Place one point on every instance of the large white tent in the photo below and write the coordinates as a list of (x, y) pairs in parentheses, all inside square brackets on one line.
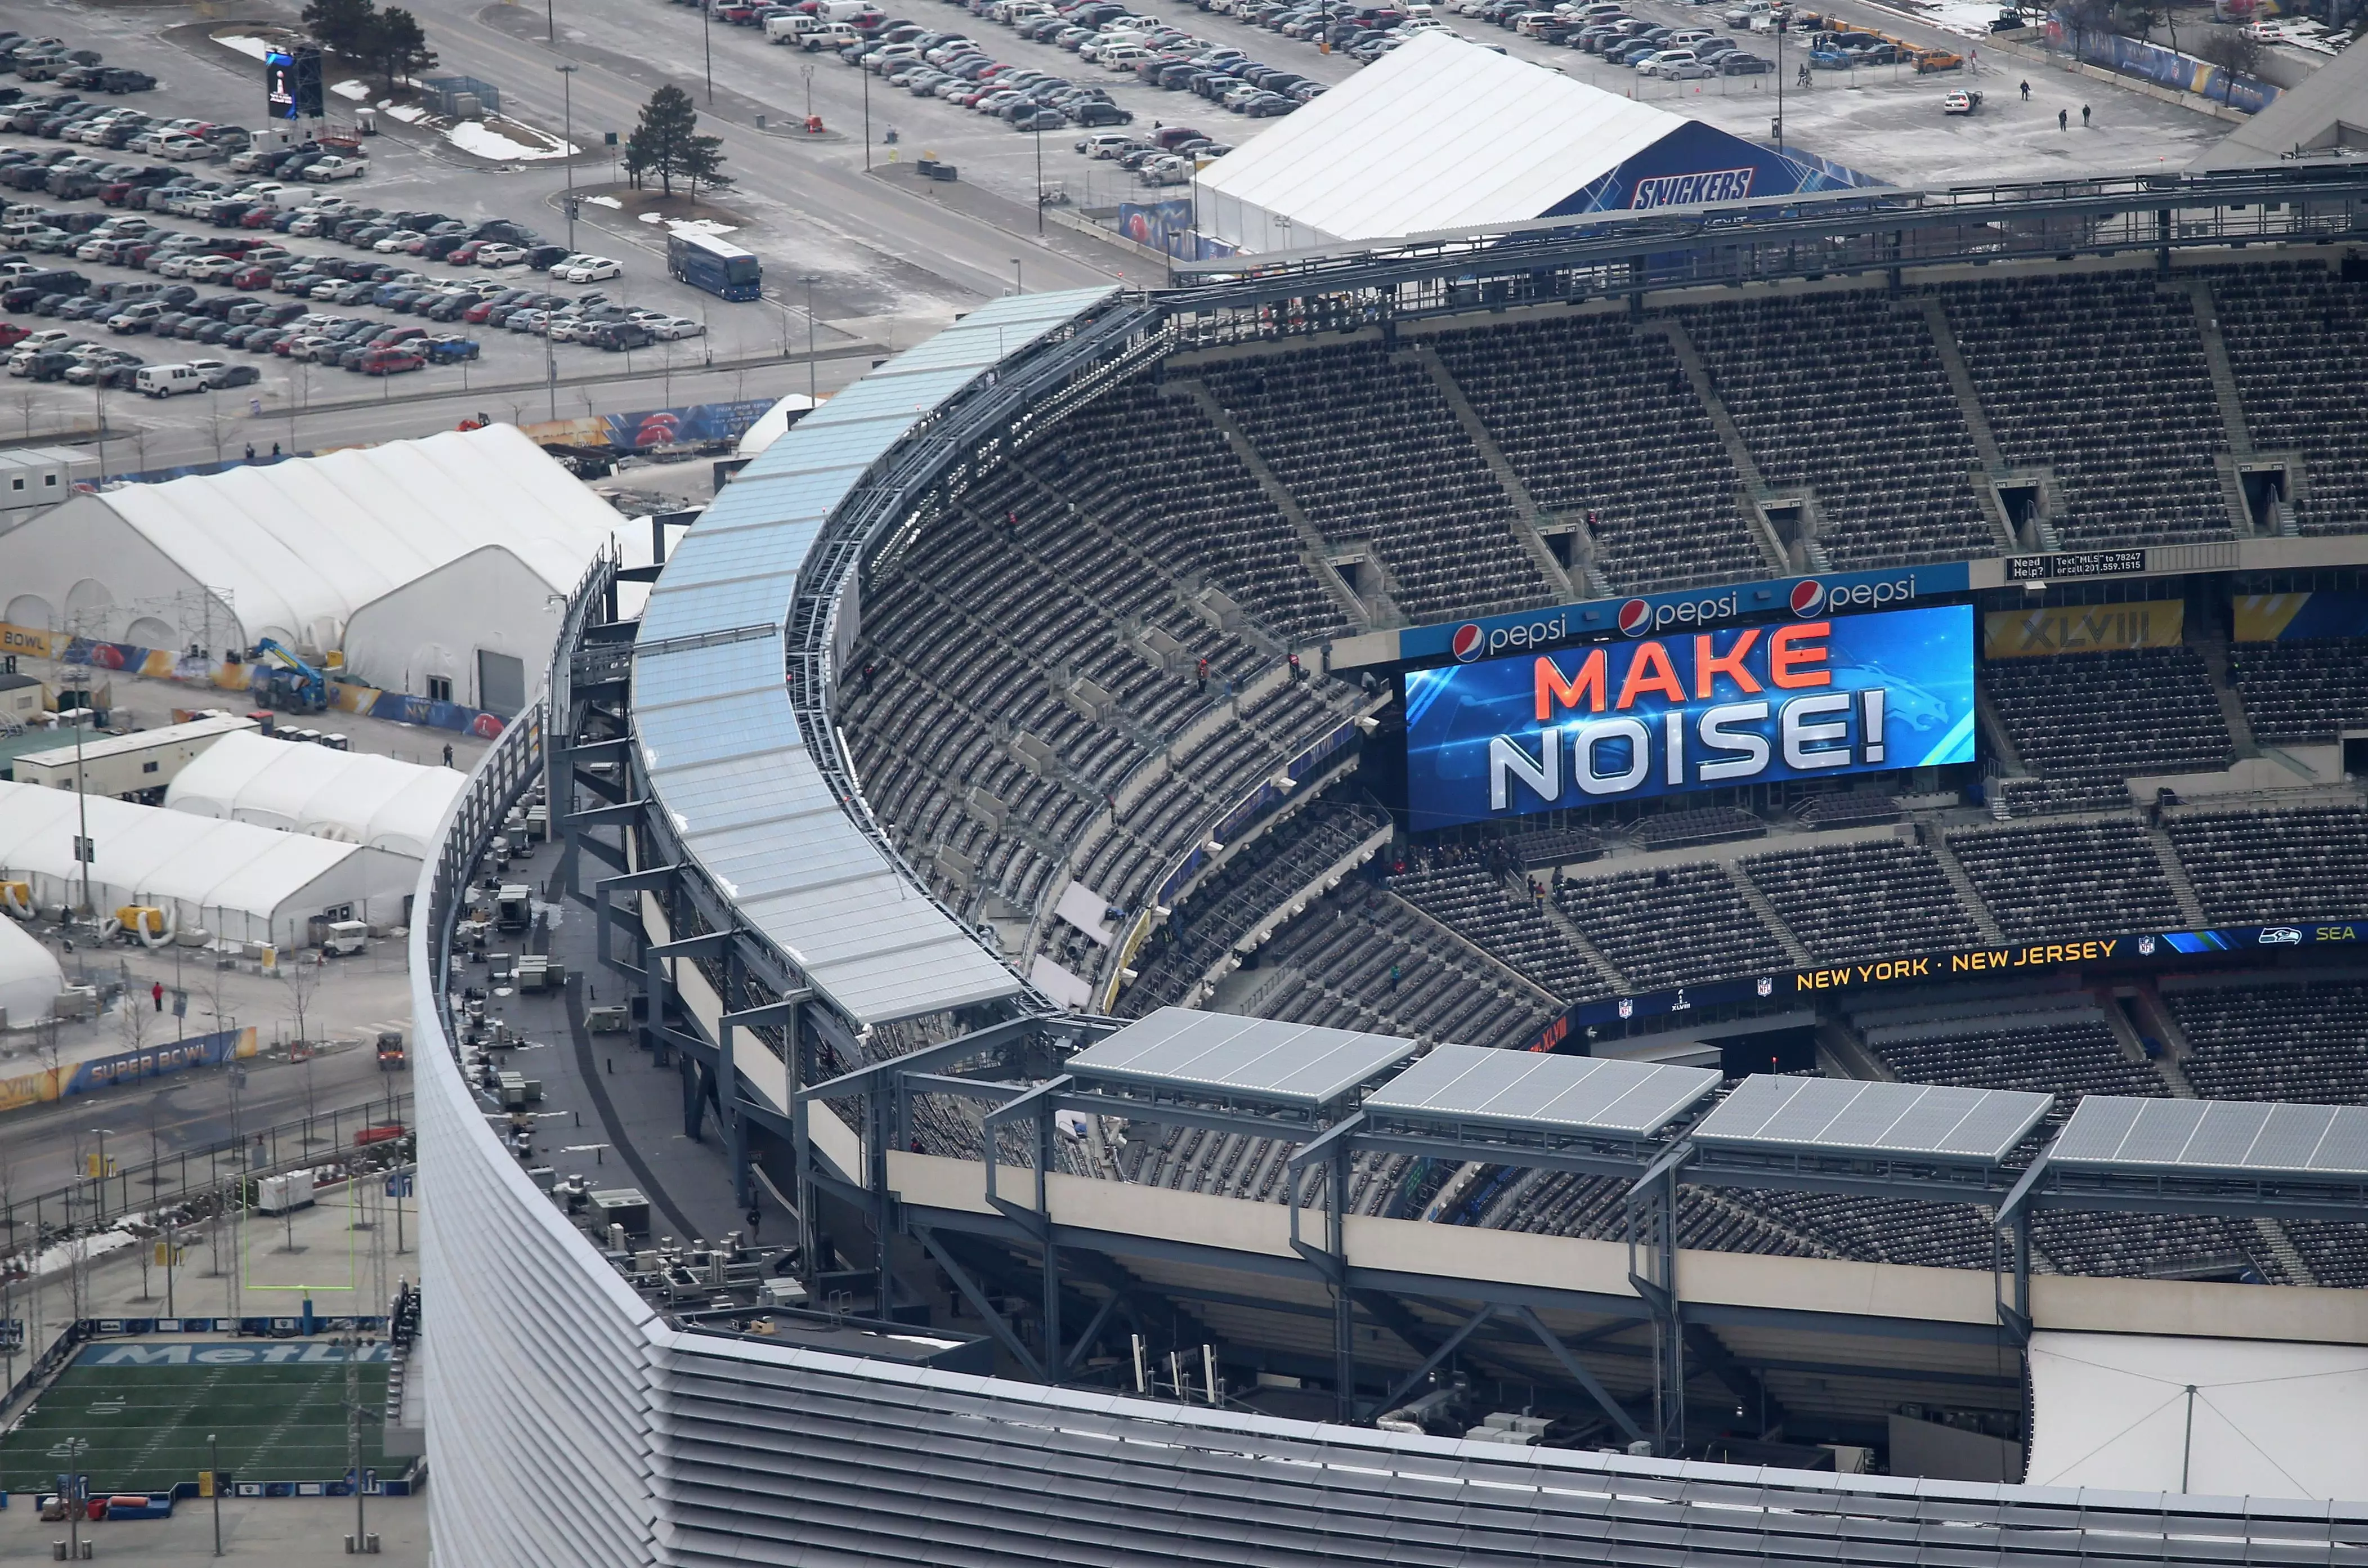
[(348, 797), (29, 978), (417, 558), (248, 883), (1443, 134)]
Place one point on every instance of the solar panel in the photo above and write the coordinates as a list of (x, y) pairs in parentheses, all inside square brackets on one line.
[(1841, 1116), (2215, 1138), (1258, 1058), (1533, 1089)]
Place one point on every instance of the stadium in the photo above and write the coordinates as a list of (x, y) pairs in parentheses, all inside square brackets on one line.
[(1670, 887)]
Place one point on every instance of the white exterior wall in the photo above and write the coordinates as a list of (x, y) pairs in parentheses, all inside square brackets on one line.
[(83, 557), (434, 626), (29, 977)]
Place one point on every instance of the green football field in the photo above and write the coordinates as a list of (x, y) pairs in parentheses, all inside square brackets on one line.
[(142, 1428)]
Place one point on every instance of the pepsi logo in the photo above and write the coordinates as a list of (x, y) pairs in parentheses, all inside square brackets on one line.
[(1635, 617), (1808, 596), (1469, 644)]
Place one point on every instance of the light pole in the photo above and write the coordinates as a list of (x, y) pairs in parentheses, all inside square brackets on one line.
[(213, 1450), (809, 280), (1036, 131), (867, 115), (1014, 275), (707, 42), (807, 72), (567, 141)]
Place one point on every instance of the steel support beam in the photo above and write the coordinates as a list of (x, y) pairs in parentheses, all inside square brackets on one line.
[(1585, 1379), (979, 1301)]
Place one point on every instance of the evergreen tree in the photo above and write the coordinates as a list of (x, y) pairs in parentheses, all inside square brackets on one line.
[(397, 45), (341, 26), (666, 142)]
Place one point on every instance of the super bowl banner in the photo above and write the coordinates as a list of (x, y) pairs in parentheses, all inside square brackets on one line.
[(99, 1072), (1662, 715), (2082, 629), (2292, 618)]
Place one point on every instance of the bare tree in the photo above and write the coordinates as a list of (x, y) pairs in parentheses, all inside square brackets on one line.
[(304, 978), (2231, 51)]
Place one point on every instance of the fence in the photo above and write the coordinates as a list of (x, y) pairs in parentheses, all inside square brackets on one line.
[(448, 91), (288, 1146)]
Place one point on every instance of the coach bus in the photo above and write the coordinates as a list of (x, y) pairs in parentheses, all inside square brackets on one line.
[(717, 265)]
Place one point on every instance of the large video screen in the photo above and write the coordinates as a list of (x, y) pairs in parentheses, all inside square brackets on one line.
[(1663, 715)]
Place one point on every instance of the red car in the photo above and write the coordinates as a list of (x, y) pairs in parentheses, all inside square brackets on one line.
[(462, 256), (251, 278), (390, 362), (261, 218), (12, 335), (116, 194)]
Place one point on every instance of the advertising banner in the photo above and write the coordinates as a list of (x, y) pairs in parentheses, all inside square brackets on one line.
[(1663, 715), (2289, 618), (98, 1073), (2082, 629), (1839, 593), (1790, 988)]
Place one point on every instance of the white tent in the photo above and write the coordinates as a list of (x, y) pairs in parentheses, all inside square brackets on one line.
[(248, 883), (2230, 1418), (773, 423), (29, 978), (456, 542), (348, 797)]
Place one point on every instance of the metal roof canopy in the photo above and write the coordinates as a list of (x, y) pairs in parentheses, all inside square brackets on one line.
[(2214, 1137), (1843, 1117), (1218, 1055), (1538, 1092)]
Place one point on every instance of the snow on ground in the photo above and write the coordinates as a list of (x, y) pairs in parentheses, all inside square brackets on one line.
[(689, 225), (410, 113), (474, 136), (254, 48), (356, 89), (603, 201)]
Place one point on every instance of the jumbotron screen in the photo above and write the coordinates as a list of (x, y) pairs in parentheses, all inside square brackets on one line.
[(1663, 715)]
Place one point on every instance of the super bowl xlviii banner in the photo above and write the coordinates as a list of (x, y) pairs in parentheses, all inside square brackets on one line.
[(1662, 715)]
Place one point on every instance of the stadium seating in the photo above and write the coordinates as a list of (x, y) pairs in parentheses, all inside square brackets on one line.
[(2272, 867), (2100, 378), (1499, 915), (2069, 878), (2063, 1055), (2103, 717), (2305, 692), (1674, 926), (2303, 1043), (1269, 870), (1864, 900), (1845, 395), (1371, 450), (1155, 474), (2298, 340), (1599, 419)]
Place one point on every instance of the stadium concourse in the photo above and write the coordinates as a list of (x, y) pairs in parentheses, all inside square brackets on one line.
[(1607, 891)]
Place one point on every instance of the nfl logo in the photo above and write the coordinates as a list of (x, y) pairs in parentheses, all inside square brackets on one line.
[(1627, 1008), (1767, 986), (2146, 946)]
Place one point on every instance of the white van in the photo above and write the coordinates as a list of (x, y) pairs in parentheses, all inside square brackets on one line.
[(346, 938), (164, 380), (789, 29)]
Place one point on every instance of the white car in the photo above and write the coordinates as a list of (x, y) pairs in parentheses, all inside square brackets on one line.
[(674, 328), (588, 269), (334, 168)]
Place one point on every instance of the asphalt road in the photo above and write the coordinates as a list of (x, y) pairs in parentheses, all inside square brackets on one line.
[(41, 1150)]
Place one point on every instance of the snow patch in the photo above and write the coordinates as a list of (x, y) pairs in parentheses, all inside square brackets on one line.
[(254, 48), (690, 225), (410, 113), (356, 89), (474, 136), (603, 201)]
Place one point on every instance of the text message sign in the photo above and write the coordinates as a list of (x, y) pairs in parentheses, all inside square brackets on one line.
[(1662, 715)]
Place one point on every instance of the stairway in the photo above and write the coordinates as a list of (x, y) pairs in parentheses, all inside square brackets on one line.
[(2223, 390), (1968, 894), (1604, 967), (1837, 1038), (1314, 548), (1730, 434), (1498, 464), (2281, 1247), (1978, 419), (1793, 947), (2190, 908), (2214, 654)]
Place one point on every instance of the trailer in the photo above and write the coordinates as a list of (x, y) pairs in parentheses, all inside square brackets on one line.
[(136, 766)]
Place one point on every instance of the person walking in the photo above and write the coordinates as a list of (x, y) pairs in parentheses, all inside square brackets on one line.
[(2084, 117), (2026, 91), (250, 451), (157, 994), (2063, 119)]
